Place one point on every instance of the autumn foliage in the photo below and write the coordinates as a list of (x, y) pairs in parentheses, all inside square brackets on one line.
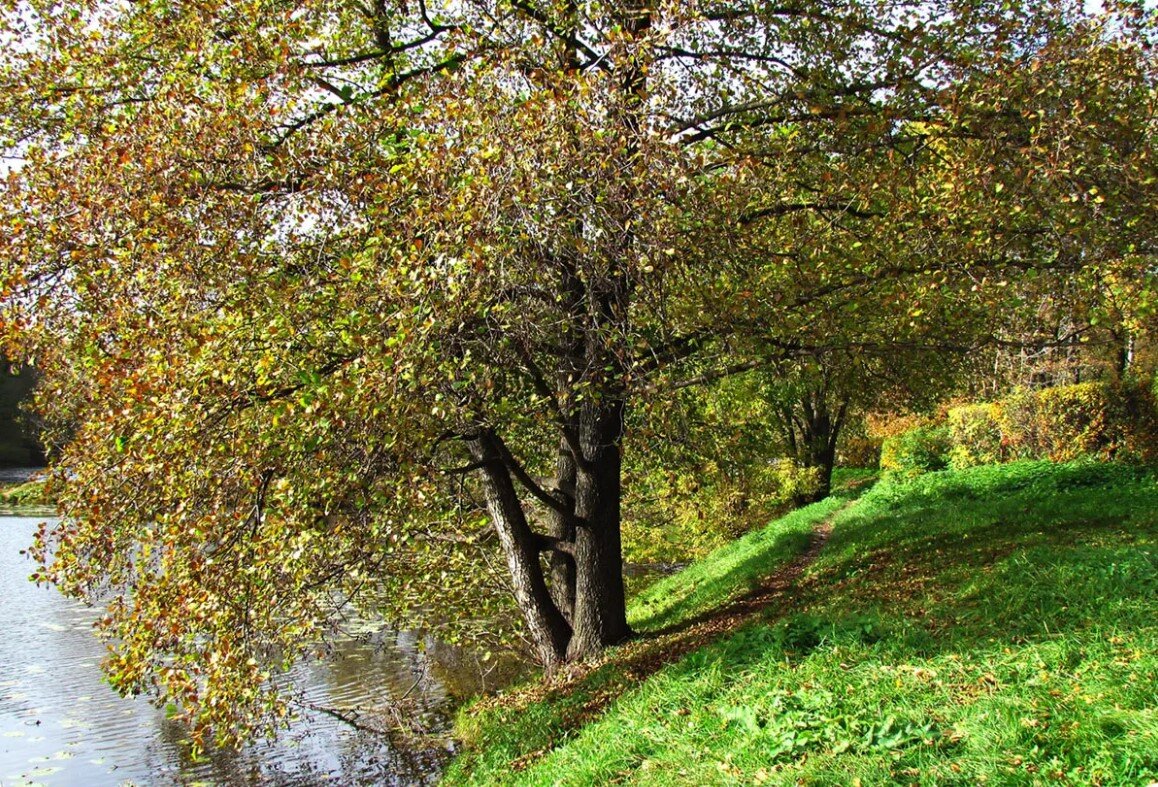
[(346, 302)]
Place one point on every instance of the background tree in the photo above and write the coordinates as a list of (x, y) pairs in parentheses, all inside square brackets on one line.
[(815, 400)]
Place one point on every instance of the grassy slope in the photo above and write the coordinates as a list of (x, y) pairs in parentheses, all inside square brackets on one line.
[(728, 571), (502, 732), (994, 624)]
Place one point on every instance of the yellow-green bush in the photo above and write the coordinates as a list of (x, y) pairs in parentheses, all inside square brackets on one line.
[(791, 481), (1101, 420), (673, 517), (920, 450), (975, 435), (1139, 404), (859, 451), (1022, 427), (1079, 420), (30, 493)]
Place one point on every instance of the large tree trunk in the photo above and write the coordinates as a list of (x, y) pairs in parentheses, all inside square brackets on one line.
[(600, 616), (583, 609), (820, 455), (584, 599)]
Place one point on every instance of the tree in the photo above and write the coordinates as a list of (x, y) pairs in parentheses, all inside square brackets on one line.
[(814, 399), (287, 267)]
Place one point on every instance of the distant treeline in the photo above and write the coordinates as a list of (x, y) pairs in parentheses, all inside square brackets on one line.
[(19, 446)]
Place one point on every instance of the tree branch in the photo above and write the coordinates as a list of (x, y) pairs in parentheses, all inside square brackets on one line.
[(594, 58), (519, 472), (570, 436), (712, 376)]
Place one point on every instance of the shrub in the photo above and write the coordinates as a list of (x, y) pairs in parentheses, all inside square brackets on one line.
[(1022, 435), (920, 450), (882, 426), (975, 435), (792, 482), (859, 451), (1139, 409), (1078, 420), (30, 493), (678, 515), (1098, 420)]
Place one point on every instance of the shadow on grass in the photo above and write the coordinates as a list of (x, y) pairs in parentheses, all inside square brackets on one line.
[(744, 577), (676, 615), (954, 563), (739, 572), (979, 575)]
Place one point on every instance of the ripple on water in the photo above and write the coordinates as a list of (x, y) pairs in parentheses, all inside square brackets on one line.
[(60, 724)]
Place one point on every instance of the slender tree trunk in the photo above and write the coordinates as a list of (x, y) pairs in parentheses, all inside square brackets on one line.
[(1125, 352), (815, 446), (548, 627), (821, 456), (561, 564)]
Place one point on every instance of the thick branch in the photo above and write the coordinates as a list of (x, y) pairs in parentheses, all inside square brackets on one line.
[(712, 376), (519, 472), (554, 544), (395, 82), (796, 207), (570, 436), (564, 35)]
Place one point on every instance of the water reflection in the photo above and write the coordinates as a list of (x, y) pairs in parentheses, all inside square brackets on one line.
[(61, 725)]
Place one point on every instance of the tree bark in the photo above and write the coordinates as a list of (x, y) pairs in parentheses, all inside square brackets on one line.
[(562, 565), (548, 627), (600, 616), (583, 609), (813, 438)]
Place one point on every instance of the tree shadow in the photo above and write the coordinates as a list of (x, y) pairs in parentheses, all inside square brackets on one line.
[(715, 596), (964, 564), (1030, 574)]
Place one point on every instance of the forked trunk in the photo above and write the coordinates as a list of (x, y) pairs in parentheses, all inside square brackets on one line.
[(812, 437), (582, 608)]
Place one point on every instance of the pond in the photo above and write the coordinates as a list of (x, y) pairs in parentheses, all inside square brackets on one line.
[(60, 724)]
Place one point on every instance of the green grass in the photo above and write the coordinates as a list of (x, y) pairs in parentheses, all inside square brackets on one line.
[(505, 731), (844, 478), (998, 624), (29, 493), (728, 572)]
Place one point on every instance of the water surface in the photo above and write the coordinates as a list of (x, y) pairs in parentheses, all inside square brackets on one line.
[(60, 724)]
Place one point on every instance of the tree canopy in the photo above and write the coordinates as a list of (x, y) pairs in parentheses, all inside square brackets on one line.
[(304, 279)]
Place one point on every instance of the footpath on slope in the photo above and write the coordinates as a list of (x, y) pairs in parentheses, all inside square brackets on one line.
[(637, 660)]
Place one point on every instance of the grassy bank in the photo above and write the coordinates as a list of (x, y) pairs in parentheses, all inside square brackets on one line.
[(28, 494), (997, 624)]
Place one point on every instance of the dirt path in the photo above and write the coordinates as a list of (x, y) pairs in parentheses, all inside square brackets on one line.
[(652, 653), (636, 661), (778, 585)]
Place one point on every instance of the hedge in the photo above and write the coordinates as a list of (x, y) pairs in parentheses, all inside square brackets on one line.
[(1107, 421)]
